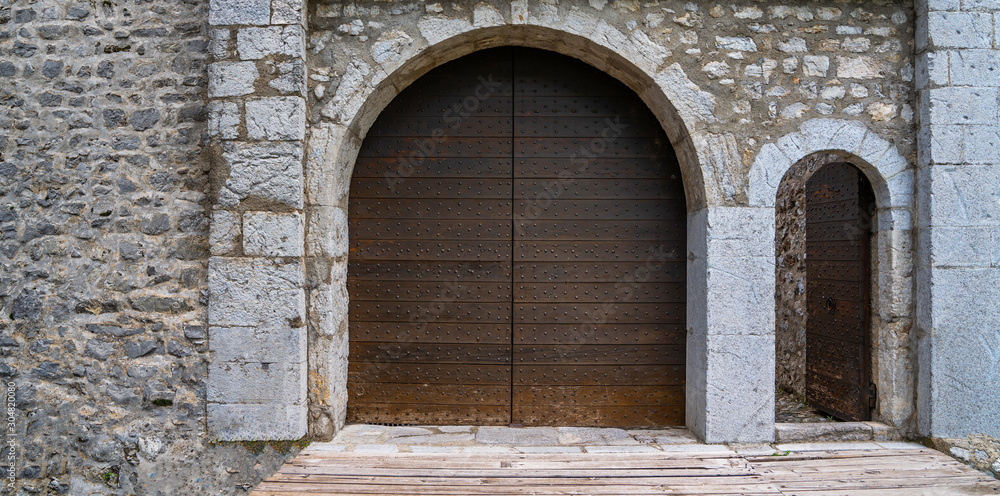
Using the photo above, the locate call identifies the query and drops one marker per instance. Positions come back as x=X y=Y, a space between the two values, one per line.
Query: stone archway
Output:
x=683 y=111
x=891 y=177
x=280 y=228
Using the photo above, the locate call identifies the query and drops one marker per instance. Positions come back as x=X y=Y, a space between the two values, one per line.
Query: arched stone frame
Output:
x=892 y=179
x=729 y=393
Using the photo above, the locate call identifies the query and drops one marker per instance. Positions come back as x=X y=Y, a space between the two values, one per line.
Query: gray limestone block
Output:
x=958 y=199
x=740 y=295
x=110 y=330
x=256 y=382
x=328 y=233
x=530 y=436
x=932 y=68
x=958 y=246
x=740 y=232
x=287 y=11
x=269 y=234
x=328 y=306
x=254 y=291
x=739 y=405
x=940 y=144
x=964 y=105
x=100 y=350
x=257 y=43
x=224 y=232
x=290 y=79
x=995 y=241
x=224 y=120
x=970 y=67
x=960 y=374
x=231 y=78
x=276 y=118
x=266 y=171
x=278 y=343
x=137 y=349
x=218 y=43
x=960 y=29
x=863 y=67
x=738 y=43
x=223 y=12
x=815 y=65
x=243 y=422
x=981 y=144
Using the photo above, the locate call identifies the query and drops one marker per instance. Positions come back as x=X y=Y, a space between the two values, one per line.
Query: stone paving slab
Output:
x=362 y=438
x=827 y=446
x=525 y=436
x=408 y=431
x=900 y=445
x=595 y=435
x=455 y=428
x=434 y=439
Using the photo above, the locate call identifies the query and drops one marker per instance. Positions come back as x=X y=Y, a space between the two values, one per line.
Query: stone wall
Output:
x=751 y=74
x=790 y=286
x=104 y=182
x=173 y=240
x=958 y=246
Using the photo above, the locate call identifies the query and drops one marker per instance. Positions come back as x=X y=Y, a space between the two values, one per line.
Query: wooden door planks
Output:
x=554 y=212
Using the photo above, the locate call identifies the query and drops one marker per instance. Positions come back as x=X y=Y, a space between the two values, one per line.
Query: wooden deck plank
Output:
x=818 y=473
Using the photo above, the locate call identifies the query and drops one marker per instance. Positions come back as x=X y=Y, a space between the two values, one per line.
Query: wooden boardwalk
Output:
x=910 y=472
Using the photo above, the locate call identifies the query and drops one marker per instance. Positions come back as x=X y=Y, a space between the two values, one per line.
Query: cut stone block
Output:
x=223 y=12
x=264 y=343
x=231 y=79
x=269 y=234
x=257 y=43
x=236 y=422
x=594 y=435
x=264 y=171
x=280 y=118
x=249 y=292
x=527 y=436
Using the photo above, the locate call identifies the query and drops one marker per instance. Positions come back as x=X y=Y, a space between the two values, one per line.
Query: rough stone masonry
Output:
x=174 y=183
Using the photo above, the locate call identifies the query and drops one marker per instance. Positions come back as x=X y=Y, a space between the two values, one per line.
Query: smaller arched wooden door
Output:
x=839 y=206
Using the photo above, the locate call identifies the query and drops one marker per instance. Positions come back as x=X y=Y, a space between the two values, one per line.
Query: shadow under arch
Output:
x=659 y=98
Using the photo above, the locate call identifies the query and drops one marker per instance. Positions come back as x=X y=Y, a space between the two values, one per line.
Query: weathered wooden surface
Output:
x=878 y=472
x=533 y=246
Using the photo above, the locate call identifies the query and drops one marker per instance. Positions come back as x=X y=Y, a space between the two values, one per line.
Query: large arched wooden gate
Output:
x=518 y=244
